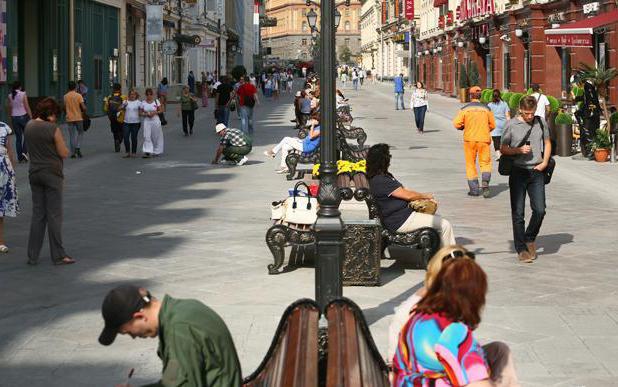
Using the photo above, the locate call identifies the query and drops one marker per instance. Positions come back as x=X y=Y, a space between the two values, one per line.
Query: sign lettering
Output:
x=569 y=40
x=410 y=9
x=469 y=9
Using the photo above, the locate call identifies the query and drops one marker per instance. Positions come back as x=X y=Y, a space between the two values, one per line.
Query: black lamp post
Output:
x=329 y=226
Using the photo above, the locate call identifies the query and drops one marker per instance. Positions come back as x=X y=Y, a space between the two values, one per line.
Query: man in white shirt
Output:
x=542 y=103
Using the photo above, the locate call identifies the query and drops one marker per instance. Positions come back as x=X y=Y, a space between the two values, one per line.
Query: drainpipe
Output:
x=71 y=39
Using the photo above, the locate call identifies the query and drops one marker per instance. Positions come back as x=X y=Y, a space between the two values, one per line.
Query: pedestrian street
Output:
x=178 y=225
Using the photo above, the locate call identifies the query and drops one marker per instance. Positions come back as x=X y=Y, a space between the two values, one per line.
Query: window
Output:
x=347 y=26
x=304 y=42
x=506 y=82
x=347 y=11
x=347 y=42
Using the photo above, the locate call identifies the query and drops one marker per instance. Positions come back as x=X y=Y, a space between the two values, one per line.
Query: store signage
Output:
x=569 y=40
x=169 y=47
x=557 y=17
x=469 y=9
x=591 y=8
x=384 y=12
x=410 y=9
x=449 y=18
x=154 y=23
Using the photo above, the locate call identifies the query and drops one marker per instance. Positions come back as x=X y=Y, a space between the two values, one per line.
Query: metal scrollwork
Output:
x=362 y=254
x=279 y=236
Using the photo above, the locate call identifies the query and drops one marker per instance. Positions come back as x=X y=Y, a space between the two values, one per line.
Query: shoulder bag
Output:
x=505 y=163
x=548 y=172
x=301 y=209
x=161 y=115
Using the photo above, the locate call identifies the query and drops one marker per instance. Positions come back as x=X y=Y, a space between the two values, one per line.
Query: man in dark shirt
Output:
x=195 y=345
x=224 y=91
x=394 y=200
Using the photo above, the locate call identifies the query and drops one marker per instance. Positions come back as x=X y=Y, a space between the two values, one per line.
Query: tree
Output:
x=239 y=71
x=600 y=78
x=463 y=77
x=345 y=54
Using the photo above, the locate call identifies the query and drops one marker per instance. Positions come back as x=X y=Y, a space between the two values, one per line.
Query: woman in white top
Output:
x=419 y=102
x=153 y=132
x=8 y=192
x=20 y=113
x=132 y=123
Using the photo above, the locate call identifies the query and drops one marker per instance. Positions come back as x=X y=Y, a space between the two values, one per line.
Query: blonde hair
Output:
x=435 y=263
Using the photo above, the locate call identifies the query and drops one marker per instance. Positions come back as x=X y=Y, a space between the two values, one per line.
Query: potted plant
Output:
x=486 y=96
x=506 y=96
x=613 y=123
x=464 y=84
x=514 y=102
x=601 y=145
x=600 y=78
x=563 y=134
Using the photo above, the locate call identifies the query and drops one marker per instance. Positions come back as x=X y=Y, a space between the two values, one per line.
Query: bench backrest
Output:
x=353 y=359
x=292 y=359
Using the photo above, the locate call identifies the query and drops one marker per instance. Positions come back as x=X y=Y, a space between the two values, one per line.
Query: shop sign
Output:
x=569 y=40
x=591 y=8
x=449 y=18
x=557 y=17
x=154 y=23
x=410 y=9
x=469 y=9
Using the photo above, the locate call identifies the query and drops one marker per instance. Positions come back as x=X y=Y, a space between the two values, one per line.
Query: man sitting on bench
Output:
x=306 y=145
x=393 y=199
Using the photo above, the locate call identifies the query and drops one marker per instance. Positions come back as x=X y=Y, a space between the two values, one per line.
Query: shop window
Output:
x=98 y=73
x=304 y=42
x=600 y=50
x=304 y=27
x=347 y=42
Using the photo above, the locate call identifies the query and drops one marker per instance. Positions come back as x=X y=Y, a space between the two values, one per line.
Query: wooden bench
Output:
x=353 y=359
x=305 y=354
x=292 y=359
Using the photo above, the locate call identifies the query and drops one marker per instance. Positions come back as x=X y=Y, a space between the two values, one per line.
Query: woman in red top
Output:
x=247 y=99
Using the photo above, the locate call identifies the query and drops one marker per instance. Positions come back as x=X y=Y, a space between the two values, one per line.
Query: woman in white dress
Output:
x=153 y=132
x=8 y=192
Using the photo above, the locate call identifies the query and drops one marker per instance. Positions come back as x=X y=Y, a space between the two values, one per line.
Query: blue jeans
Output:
x=419 y=117
x=355 y=84
x=223 y=115
x=522 y=181
x=399 y=97
x=246 y=119
x=130 y=137
x=19 y=124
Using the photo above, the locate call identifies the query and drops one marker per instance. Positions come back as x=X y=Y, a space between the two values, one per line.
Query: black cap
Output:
x=118 y=308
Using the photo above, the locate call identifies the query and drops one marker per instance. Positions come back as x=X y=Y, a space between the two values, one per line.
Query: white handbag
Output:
x=301 y=209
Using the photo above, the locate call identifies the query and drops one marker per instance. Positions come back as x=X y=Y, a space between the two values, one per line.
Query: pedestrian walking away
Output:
x=191 y=82
x=399 y=91
x=502 y=114
x=82 y=89
x=224 y=96
x=9 y=206
x=247 y=99
x=187 y=107
x=195 y=346
x=47 y=152
x=234 y=145
x=162 y=92
x=204 y=87
x=20 y=113
x=150 y=109
x=361 y=76
x=113 y=107
x=420 y=102
x=74 y=108
x=476 y=121
x=355 y=79
x=132 y=123
x=531 y=158
x=542 y=102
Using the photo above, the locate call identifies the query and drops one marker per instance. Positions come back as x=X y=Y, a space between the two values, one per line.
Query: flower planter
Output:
x=601 y=155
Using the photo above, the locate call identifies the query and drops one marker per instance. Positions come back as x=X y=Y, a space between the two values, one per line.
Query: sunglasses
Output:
x=459 y=254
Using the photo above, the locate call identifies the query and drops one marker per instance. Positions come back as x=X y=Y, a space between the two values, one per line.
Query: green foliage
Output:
x=506 y=96
x=529 y=91
x=487 y=95
x=554 y=104
x=514 y=101
x=239 y=71
x=464 y=83
x=599 y=76
x=345 y=54
x=601 y=140
x=577 y=91
x=613 y=119
x=564 y=119
x=473 y=75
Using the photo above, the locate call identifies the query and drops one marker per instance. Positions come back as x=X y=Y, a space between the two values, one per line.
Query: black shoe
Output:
x=73 y=156
x=79 y=153
x=473 y=193
x=146 y=156
x=191 y=132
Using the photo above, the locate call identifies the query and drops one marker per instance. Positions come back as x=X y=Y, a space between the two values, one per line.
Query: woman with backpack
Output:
x=113 y=107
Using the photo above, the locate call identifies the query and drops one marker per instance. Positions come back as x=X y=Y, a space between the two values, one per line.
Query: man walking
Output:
x=527 y=139
x=224 y=91
x=247 y=98
x=399 y=90
x=542 y=102
x=195 y=346
x=234 y=145
x=74 y=107
x=477 y=121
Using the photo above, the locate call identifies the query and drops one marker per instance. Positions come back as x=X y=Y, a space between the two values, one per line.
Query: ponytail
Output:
x=15 y=88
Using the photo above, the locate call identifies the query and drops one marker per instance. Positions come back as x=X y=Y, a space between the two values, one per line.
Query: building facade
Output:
x=291 y=38
x=514 y=44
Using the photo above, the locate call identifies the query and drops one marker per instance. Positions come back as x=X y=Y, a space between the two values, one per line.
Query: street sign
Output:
x=169 y=47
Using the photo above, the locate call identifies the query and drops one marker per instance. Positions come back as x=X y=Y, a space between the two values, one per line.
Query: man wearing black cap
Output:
x=195 y=345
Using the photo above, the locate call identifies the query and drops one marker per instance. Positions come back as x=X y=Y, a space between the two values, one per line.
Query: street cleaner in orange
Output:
x=477 y=121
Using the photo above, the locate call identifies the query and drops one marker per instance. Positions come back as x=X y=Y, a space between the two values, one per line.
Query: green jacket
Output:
x=195 y=347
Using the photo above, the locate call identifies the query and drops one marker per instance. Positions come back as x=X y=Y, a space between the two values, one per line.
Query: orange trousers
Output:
x=474 y=150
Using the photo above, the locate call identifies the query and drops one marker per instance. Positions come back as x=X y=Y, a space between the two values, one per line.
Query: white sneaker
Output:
x=242 y=161
x=282 y=171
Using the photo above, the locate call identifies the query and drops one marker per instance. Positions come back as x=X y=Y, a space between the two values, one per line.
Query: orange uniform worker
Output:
x=477 y=121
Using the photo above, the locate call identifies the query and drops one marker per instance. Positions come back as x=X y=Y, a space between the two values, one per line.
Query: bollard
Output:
x=612 y=156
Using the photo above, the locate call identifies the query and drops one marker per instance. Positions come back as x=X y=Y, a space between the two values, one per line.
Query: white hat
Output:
x=298 y=93
x=220 y=127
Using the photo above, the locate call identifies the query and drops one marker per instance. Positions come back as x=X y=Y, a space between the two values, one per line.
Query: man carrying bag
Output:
x=526 y=147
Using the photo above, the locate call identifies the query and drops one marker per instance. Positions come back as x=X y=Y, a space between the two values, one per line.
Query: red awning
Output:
x=439 y=3
x=579 y=34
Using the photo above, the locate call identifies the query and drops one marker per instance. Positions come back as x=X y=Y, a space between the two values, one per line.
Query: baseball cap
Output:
x=118 y=308
x=220 y=127
x=475 y=89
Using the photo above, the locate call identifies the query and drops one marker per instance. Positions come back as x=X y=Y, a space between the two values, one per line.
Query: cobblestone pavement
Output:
x=181 y=226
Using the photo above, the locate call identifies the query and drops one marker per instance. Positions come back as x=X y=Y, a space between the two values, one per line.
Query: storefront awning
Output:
x=439 y=3
x=579 y=34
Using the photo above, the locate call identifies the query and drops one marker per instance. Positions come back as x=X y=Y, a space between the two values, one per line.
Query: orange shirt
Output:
x=477 y=122
x=72 y=105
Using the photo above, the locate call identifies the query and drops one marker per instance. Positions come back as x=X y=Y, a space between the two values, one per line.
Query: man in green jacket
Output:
x=195 y=345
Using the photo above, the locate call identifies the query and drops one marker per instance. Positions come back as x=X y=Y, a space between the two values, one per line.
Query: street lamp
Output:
x=312 y=19
x=482 y=39
x=337 y=18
